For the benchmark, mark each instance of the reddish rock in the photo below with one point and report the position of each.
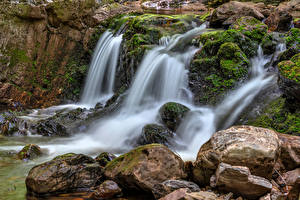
(186, 194)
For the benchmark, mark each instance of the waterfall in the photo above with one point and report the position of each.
(162, 75)
(101, 76)
(201, 123)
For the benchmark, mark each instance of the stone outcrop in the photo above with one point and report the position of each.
(252, 147)
(239, 180)
(144, 167)
(65, 173)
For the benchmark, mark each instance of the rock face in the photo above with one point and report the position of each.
(290, 151)
(68, 172)
(239, 180)
(145, 167)
(30, 151)
(154, 133)
(169, 186)
(228, 13)
(289, 79)
(172, 113)
(107, 190)
(252, 147)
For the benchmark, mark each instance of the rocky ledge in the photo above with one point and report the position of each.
(242, 162)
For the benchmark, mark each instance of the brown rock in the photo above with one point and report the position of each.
(169, 186)
(291, 181)
(64, 173)
(108, 189)
(290, 151)
(144, 167)
(239, 180)
(176, 195)
(252, 147)
(30, 151)
(228, 13)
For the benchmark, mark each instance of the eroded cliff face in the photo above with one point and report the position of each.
(44, 51)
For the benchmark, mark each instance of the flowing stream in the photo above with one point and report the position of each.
(162, 77)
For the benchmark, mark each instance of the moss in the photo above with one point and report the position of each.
(291, 68)
(18, 56)
(251, 27)
(129, 160)
(64, 156)
(278, 117)
(293, 38)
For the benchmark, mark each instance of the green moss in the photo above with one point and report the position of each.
(251, 27)
(64, 156)
(291, 68)
(276, 116)
(293, 38)
(129, 160)
(18, 56)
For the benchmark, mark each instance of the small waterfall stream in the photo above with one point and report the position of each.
(101, 76)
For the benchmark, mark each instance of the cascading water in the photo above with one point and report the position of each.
(201, 123)
(101, 76)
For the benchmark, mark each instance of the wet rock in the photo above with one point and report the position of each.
(144, 167)
(291, 181)
(289, 77)
(172, 113)
(30, 151)
(290, 151)
(107, 190)
(252, 147)
(228, 13)
(186, 194)
(65, 173)
(105, 158)
(154, 133)
(169, 186)
(239, 180)
(50, 127)
(281, 17)
(270, 42)
(251, 27)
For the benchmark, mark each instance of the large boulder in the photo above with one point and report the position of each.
(172, 113)
(239, 180)
(68, 172)
(252, 147)
(169, 186)
(154, 133)
(289, 76)
(228, 13)
(144, 167)
(186, 194)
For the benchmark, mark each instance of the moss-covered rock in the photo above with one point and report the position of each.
(154, 133)
(251, 27)
(293, 38)
(172, 114)
(30, 151)
(220, 64)
(65, 173)
(280, 116)
(270, 41)
(289, 76)
(144, 167)
(104, 158)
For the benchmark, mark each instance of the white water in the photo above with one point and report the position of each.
(101, 76)
(162, 77)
